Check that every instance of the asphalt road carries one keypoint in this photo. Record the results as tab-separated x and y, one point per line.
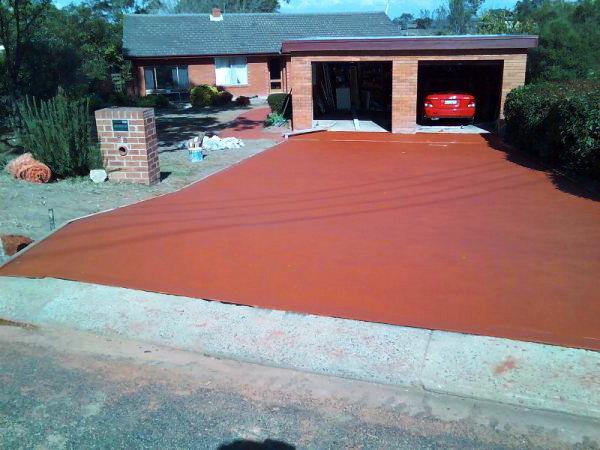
62	390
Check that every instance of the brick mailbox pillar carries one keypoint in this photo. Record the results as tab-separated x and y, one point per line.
129	145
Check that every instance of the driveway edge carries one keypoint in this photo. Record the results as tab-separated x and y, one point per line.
525	374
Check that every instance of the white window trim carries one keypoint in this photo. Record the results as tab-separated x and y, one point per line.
226	71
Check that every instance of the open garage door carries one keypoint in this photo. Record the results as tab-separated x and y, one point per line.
352	96
481	79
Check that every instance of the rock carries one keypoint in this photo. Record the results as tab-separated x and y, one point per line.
98	175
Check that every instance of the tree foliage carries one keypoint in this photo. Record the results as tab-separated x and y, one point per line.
205	6
403	20
569	36
19	20
460	14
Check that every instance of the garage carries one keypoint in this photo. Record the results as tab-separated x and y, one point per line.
480	79
352	96
347	80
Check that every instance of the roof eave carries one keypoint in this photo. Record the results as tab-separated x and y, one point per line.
404	43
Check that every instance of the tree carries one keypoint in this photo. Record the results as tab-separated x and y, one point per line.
460	13
18	22
440	16
569	39
113	10
498	21
204	6
403	20
423	23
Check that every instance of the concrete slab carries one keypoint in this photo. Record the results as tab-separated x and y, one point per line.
498	370
458	129
533	375
350	125
326	345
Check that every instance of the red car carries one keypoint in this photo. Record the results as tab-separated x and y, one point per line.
449	105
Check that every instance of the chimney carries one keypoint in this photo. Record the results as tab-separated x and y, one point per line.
215	14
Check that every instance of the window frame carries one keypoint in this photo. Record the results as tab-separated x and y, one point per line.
231	60
156	89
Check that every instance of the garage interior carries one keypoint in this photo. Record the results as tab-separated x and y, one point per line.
352	96
482	79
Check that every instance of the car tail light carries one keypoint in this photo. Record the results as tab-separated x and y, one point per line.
471	105
428	105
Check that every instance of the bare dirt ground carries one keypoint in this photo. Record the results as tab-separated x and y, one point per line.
24	206
62	389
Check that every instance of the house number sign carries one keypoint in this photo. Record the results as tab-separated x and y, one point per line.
120	125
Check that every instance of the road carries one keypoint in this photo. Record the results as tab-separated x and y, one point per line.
64	389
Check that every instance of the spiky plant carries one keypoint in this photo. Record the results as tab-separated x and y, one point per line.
58	133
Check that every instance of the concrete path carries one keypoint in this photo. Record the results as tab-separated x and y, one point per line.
525	374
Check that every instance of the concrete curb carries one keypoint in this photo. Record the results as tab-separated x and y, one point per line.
500	370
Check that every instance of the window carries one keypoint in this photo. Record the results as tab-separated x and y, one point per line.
166	78
231	71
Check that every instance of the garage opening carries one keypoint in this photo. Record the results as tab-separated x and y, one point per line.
352	96
480	79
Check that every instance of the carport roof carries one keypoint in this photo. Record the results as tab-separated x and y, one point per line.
399	43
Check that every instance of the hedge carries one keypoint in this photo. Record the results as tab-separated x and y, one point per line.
558	122
277	102
153	101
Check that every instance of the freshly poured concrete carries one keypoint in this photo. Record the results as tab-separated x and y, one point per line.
445	232
526	374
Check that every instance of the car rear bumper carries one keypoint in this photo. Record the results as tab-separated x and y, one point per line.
450	113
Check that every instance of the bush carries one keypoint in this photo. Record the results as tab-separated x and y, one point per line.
58	133
120	99
277	102
96	102
222	98
203	95
559	123
275	119
153	101
242	101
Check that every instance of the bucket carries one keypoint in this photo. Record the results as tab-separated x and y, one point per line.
196	155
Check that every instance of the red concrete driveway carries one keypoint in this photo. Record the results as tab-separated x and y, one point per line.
433	231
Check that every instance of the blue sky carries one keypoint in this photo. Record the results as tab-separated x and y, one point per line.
396	8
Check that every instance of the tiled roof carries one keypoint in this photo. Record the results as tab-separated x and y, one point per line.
253	33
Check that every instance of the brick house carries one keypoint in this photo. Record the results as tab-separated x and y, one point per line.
337	66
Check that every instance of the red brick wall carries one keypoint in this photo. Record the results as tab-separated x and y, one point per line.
140	163
404	80
202	71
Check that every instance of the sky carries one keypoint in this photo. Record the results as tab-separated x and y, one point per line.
396	7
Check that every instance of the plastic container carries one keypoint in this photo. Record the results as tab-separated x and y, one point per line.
196	155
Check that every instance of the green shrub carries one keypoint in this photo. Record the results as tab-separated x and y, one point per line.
559	123
120	99
58	133
203	95
277	102
242	101
222	98
153	101
275	119
96	102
